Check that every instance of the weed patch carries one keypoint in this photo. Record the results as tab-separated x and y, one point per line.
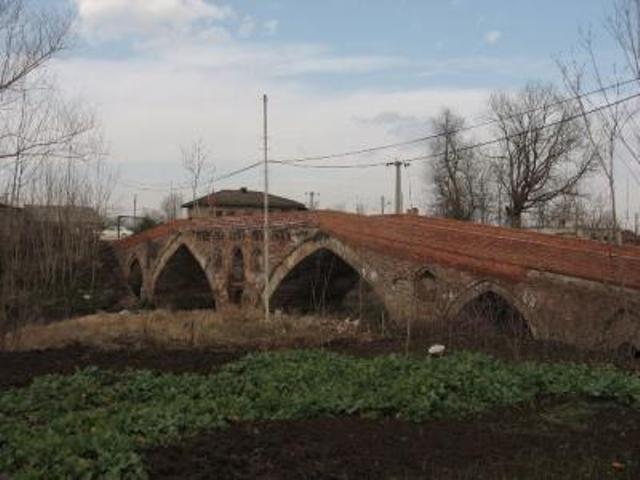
94	423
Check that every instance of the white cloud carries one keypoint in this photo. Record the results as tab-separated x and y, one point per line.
216	50
192	78
492	37
156	105
110	18
247	27
398	124
271	26
327	63
490	66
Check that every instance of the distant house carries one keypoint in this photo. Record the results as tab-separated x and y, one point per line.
115	233
238	202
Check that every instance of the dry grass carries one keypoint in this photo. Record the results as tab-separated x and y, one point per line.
166	329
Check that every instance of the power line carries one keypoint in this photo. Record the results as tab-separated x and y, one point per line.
331	167
160	187
131	185
296	162
468	147
238	171
433	136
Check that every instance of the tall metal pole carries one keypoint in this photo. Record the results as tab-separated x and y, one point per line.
266	215
398	164
312	199
398	187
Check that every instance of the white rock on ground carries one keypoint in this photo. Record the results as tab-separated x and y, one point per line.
436	350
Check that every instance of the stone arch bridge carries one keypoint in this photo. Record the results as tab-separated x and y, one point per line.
393	269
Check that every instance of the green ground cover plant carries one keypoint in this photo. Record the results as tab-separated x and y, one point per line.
92	424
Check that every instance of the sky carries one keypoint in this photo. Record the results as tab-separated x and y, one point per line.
339	74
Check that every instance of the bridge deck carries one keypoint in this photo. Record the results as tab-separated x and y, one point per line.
484	249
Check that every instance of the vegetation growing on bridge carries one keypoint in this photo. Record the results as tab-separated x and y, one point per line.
93	424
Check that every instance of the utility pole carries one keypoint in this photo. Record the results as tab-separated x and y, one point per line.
499	205
266	293
627	221
398	164
135	207
384	203
312	202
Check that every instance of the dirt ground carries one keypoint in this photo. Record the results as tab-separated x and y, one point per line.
18	368
549	440
552	439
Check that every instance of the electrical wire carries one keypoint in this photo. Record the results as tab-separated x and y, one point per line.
185	186
297	162
164	185
433	136
468	147
237	172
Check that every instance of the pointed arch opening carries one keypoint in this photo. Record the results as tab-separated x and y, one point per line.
425	285
235	283
491	314
135	278
257	261
324	284
183	284
621	332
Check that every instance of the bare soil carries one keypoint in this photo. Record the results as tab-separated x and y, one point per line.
553	439
568	438
18	368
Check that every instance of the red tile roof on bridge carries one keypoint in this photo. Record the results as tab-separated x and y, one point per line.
485	249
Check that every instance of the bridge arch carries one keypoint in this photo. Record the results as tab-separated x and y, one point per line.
324	276
181	279
621	331
135	276
425	284
236	277
495	305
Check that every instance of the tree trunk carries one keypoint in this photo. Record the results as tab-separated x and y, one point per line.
515	218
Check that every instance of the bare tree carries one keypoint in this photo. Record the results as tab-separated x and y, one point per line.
195	162
604	130
485	193
51	161
541	154
596	218
36	124
51	255
29	38
171	205
607	129
461	185
624	26
566	212
43	128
